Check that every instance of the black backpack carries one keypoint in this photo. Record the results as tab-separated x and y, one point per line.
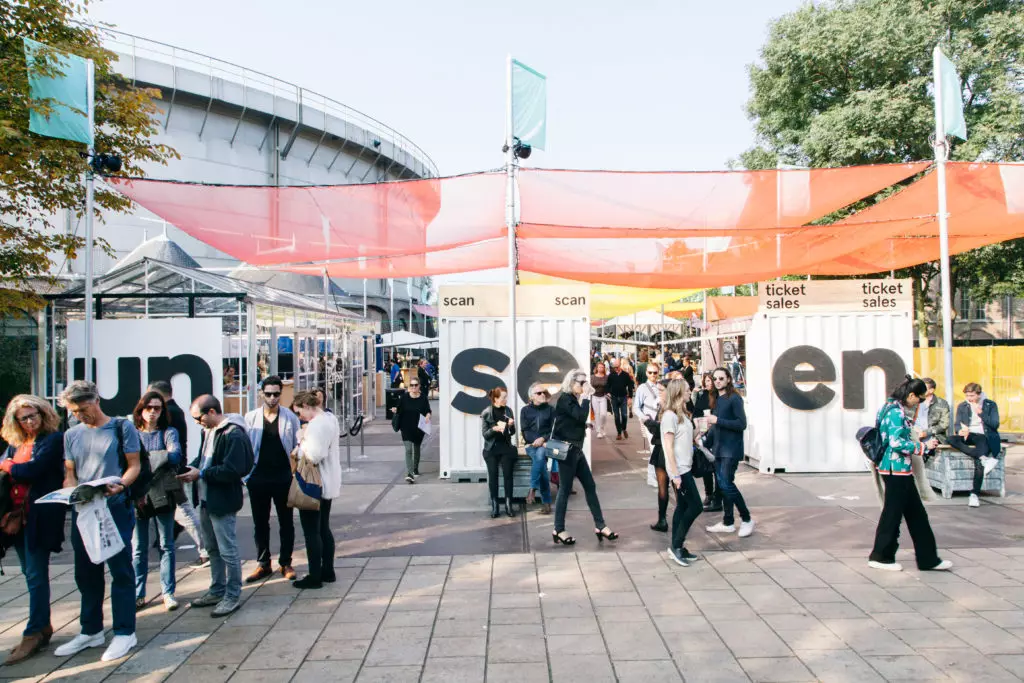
872	441
140	487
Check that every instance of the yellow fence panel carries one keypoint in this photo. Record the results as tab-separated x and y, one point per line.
998	369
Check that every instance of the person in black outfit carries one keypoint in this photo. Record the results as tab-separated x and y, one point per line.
701	467
620	388
657	460
411	405
687	368
728	421
535	420
499	428
571	413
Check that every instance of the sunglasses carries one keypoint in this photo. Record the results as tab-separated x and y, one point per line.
721	379
28	418
540	393
413	385
652	372
199	420
271	394
155	409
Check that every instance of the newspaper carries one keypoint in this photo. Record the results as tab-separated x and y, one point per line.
425	425
82	493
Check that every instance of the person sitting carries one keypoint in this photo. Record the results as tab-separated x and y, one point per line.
977	421
932	420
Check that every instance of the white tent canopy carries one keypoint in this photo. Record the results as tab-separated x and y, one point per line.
643	319
408	339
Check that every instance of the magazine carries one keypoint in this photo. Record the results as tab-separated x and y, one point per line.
82	493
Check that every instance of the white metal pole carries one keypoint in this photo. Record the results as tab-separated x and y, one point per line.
327	288
89	189
391	319
364	298
941	152
510	222
663	333
408	291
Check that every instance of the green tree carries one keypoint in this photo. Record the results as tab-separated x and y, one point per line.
40	176
848	82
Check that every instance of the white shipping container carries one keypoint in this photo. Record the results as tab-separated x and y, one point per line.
822	439
461	436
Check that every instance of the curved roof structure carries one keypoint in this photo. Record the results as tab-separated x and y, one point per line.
159	248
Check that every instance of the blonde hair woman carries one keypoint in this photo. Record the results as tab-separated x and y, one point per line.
677	440
35	462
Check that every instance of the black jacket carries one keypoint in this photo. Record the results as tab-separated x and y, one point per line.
620	385
571	419
989	419
701	402
688	376
44	473
727	434
492	438
233	458
535	421
177	418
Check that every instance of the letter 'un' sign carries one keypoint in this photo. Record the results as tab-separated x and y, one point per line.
786	376
531	369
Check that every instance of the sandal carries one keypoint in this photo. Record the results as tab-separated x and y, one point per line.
557	537
601	535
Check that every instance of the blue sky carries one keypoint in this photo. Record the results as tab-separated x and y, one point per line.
644	86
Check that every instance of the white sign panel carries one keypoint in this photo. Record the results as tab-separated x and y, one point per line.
129	354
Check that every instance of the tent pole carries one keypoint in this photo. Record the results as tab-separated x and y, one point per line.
90	184
941	151
663	333
510	223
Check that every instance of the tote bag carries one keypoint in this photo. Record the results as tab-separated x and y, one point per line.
307	486
100	536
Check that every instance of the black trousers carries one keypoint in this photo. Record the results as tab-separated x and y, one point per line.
976	446
505	458
316	527
575	466
620	409
902	501
688	508
261	497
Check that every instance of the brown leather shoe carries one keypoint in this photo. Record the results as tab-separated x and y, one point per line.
618	437
260	573
47	633
545	509
28	646
625	434
287	572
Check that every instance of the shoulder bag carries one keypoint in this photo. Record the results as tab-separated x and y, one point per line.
556	448
307	486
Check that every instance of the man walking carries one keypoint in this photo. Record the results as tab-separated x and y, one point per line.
93	450
620	387
687	368
225	457
273	430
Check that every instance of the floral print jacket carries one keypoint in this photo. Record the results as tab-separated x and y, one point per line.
897	430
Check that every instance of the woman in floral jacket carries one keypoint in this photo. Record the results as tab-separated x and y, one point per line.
902	501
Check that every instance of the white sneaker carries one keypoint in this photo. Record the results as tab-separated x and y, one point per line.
988	463
119	647
943	566
721	528
887	566
973	501
79	643
746	528
170	603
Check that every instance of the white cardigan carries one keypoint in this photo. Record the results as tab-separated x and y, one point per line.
320	445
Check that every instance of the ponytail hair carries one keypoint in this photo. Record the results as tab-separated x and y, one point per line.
909	385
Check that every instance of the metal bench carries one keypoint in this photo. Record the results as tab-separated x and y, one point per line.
950	471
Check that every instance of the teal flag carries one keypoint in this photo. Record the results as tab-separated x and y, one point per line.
66	93
947	82
529	105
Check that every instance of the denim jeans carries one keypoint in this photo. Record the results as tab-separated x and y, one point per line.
539	473
726	468
222	544
620	410
35	565
140	542
92	582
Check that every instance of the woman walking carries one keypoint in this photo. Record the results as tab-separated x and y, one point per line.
499	428
599	401
701	467
570	425
161	442
319	445
411	406
728	421
677	440
35	462
902	500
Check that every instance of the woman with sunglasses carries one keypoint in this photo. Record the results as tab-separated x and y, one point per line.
599	401
35	462
570	425
158	437
411	406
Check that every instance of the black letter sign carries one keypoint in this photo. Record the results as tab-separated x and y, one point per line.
465	373
856	363
785	377
531	366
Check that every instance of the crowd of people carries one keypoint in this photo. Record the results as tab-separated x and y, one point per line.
151	486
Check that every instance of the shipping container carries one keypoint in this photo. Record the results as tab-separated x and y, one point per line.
819	439
546	349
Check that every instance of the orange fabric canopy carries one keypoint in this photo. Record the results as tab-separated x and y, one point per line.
724	307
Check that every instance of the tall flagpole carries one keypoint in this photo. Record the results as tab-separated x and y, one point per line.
941	152
510	223
90	183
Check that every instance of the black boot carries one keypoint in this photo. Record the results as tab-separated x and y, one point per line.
509	508
494	508
716	504
660	525
707	501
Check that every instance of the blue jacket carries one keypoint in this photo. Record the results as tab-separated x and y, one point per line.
535	421
287	429
44	474
989	419
727	434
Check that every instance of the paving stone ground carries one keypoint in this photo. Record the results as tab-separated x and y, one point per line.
430	589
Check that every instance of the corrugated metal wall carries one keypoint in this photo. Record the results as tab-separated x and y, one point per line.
461	437
821	440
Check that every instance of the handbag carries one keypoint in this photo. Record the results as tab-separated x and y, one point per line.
395	423
556	448
307	486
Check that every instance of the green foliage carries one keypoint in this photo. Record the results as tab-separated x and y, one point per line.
41	176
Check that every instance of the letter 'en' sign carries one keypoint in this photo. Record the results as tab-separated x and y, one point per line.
831	296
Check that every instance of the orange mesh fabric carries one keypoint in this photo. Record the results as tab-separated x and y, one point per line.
463	259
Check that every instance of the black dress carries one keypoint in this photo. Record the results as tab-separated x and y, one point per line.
409	411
